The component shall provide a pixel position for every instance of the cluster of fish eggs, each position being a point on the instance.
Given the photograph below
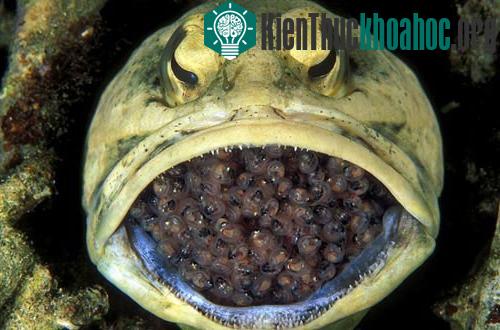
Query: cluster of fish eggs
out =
(261, 225)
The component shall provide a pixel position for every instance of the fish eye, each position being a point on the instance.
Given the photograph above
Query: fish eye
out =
(324, 71)
(187, 77)
(324, 67)
(187, 67)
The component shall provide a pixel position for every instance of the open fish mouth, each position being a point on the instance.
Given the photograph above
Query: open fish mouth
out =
(270, 235)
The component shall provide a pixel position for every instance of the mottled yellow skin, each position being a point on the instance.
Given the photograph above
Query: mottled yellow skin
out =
(377, 117)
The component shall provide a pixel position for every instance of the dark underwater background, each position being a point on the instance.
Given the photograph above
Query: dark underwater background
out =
(471, 137)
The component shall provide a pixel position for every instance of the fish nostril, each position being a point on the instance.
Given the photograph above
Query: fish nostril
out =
(261, 225)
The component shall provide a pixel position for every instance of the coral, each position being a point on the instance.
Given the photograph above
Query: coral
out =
(476, 304)
(47, 68)
(476, 62)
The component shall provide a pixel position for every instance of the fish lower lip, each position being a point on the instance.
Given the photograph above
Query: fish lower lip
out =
(279, 316)
(370, 259)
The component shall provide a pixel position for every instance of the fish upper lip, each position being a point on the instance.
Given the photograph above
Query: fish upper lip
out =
(370, 260)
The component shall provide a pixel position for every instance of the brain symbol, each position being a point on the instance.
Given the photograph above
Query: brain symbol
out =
(229, 26)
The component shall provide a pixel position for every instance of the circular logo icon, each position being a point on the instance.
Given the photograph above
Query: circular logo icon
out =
(230, 30)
